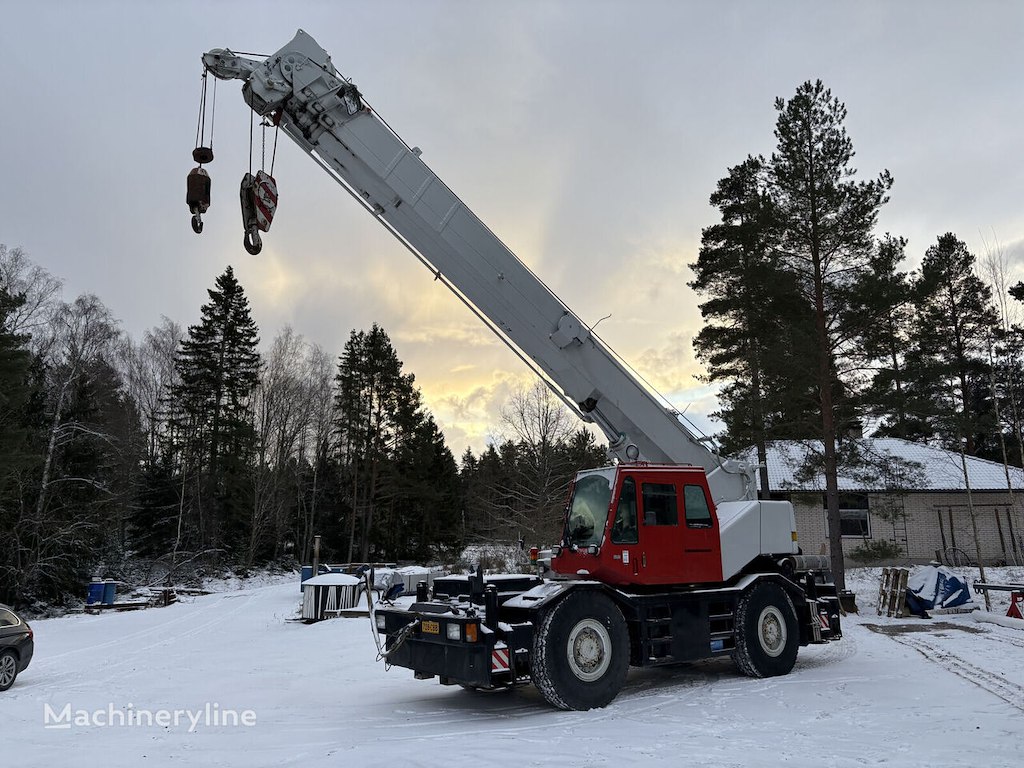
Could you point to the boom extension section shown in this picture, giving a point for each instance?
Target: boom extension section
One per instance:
(325, 114)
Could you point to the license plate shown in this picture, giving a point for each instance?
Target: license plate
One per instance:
(431, 627)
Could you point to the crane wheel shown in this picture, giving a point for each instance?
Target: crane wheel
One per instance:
(581, 651)
(768, 636)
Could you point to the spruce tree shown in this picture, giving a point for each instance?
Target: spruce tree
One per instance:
(211, 424)
(377, 410)
(15, 389)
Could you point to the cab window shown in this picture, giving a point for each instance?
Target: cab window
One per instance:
(698, 514)
(660, 507)
(624, 529)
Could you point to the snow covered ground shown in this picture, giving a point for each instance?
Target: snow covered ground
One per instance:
(950, 694)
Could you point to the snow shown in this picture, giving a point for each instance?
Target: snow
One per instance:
(333, 579)
(901, 693)
(935, 469)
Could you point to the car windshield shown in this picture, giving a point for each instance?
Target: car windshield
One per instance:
(588, 509)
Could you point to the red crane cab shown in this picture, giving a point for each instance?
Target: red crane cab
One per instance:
(640, 524)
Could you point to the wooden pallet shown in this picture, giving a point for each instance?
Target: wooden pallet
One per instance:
(892, 592)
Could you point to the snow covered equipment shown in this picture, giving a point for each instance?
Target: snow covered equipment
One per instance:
(328, 594)
(936, 588)
(1016, 609)
(259, 202)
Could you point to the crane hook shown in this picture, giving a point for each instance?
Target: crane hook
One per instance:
(252, 241)
(197, 196)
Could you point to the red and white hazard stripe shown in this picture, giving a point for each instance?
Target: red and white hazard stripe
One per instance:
(265, 199)
(823, 620)
(500, 660)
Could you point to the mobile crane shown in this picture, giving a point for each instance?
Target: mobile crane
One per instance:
(666, 556)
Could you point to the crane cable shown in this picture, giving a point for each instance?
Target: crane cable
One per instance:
(201, 121)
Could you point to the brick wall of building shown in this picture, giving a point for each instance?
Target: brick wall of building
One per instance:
(923, 533)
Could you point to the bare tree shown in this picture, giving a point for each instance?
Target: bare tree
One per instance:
(149, 372)
(41, 291)
(54, 535)
(995, 268)
(539, 427)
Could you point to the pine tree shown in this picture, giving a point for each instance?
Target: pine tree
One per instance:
(826, 221)
(756, 325)
(884, 293)
(956, 322)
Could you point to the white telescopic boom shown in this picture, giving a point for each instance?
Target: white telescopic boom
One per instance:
(325, 115)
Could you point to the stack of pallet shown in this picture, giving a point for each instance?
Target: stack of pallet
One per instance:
(892, 593)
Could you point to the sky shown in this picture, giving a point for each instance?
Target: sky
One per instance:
(587, 135)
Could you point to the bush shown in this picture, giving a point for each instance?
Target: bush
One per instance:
(876, 551)
(493, 558)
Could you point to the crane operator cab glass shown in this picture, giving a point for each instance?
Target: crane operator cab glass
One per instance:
(588, 508)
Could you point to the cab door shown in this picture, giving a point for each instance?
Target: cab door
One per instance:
(624, 533)
(702, 547)
(660, 530)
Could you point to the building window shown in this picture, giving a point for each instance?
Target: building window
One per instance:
(854, 519)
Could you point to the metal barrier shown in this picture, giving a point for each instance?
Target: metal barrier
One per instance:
(1016, 591)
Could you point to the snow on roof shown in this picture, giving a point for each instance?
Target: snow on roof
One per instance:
(414, 570)
(888, 463)
(333, 579)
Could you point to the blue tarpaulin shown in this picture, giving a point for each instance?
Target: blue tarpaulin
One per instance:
(935, 586)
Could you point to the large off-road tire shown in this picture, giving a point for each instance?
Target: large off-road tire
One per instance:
(8, 669)
(768, 636)
(580, 651)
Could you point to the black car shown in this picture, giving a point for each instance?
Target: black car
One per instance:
(16, 646)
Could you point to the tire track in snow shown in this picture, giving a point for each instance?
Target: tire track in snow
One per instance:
(131, 638)
(828, 654)
(636, 699)
(137, 651)
(995, 684)
(1004, 638)
(646, 691)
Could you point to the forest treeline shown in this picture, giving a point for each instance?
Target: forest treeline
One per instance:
(192, 447)
(200, 445)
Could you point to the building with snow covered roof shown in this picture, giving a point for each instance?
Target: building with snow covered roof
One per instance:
(906, 494)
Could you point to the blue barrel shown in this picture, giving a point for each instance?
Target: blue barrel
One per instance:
(307, 573)
(95, 593)
(109, 591)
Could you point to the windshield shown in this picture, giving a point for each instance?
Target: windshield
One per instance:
(588, 509)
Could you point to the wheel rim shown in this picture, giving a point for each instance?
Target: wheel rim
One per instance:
(589, 650)
(771, 631)
(7, 670)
